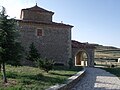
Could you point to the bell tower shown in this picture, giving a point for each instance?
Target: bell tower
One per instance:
(36, 14)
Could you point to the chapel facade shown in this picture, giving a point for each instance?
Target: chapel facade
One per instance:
(52, 40)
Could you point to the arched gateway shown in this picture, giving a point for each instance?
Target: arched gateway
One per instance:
(83, 54)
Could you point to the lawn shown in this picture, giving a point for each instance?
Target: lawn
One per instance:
(115, 71)
(31, 78)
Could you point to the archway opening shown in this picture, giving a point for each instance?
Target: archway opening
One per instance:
(81, 58)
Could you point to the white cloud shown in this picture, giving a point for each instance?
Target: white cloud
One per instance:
(13, 7)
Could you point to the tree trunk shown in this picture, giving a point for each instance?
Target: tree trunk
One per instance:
(0, 67)
(4, 73)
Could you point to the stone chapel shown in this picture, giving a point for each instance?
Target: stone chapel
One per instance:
(52, 39)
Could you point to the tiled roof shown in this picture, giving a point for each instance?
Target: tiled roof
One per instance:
(76, 44)
(36, 8)
(47, 23)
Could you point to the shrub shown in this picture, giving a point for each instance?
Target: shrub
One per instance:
(112, 65)
(33, 54)
(45, 64)
(94, 63)
(70, 63)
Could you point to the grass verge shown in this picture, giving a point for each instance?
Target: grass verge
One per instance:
(115, 71)
(31, 78)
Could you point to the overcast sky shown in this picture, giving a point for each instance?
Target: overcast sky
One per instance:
(94, 21)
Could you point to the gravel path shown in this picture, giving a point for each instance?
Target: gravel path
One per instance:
(98, 79)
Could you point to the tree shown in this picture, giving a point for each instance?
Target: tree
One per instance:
(33, 54)
(70, 62)
(10, 48)
(45, 64)
(0, 58)
(0, 53)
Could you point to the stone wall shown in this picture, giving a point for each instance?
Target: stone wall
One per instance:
(70, 83)
(36, 16)
(54, 44)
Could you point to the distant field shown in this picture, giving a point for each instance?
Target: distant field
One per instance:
(115, 71)
(107, 63)
(107, 56)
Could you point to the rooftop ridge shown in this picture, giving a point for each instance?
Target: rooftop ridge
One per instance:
(37, 8)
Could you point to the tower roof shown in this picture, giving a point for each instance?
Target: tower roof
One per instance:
(39, 9)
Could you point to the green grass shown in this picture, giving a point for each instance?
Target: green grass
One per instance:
(31, 78)
(115, 71)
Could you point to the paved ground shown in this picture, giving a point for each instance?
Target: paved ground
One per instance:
(98, 79)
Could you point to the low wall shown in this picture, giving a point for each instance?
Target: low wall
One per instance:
(71, 82)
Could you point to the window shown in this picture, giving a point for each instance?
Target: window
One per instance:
(39, 32)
